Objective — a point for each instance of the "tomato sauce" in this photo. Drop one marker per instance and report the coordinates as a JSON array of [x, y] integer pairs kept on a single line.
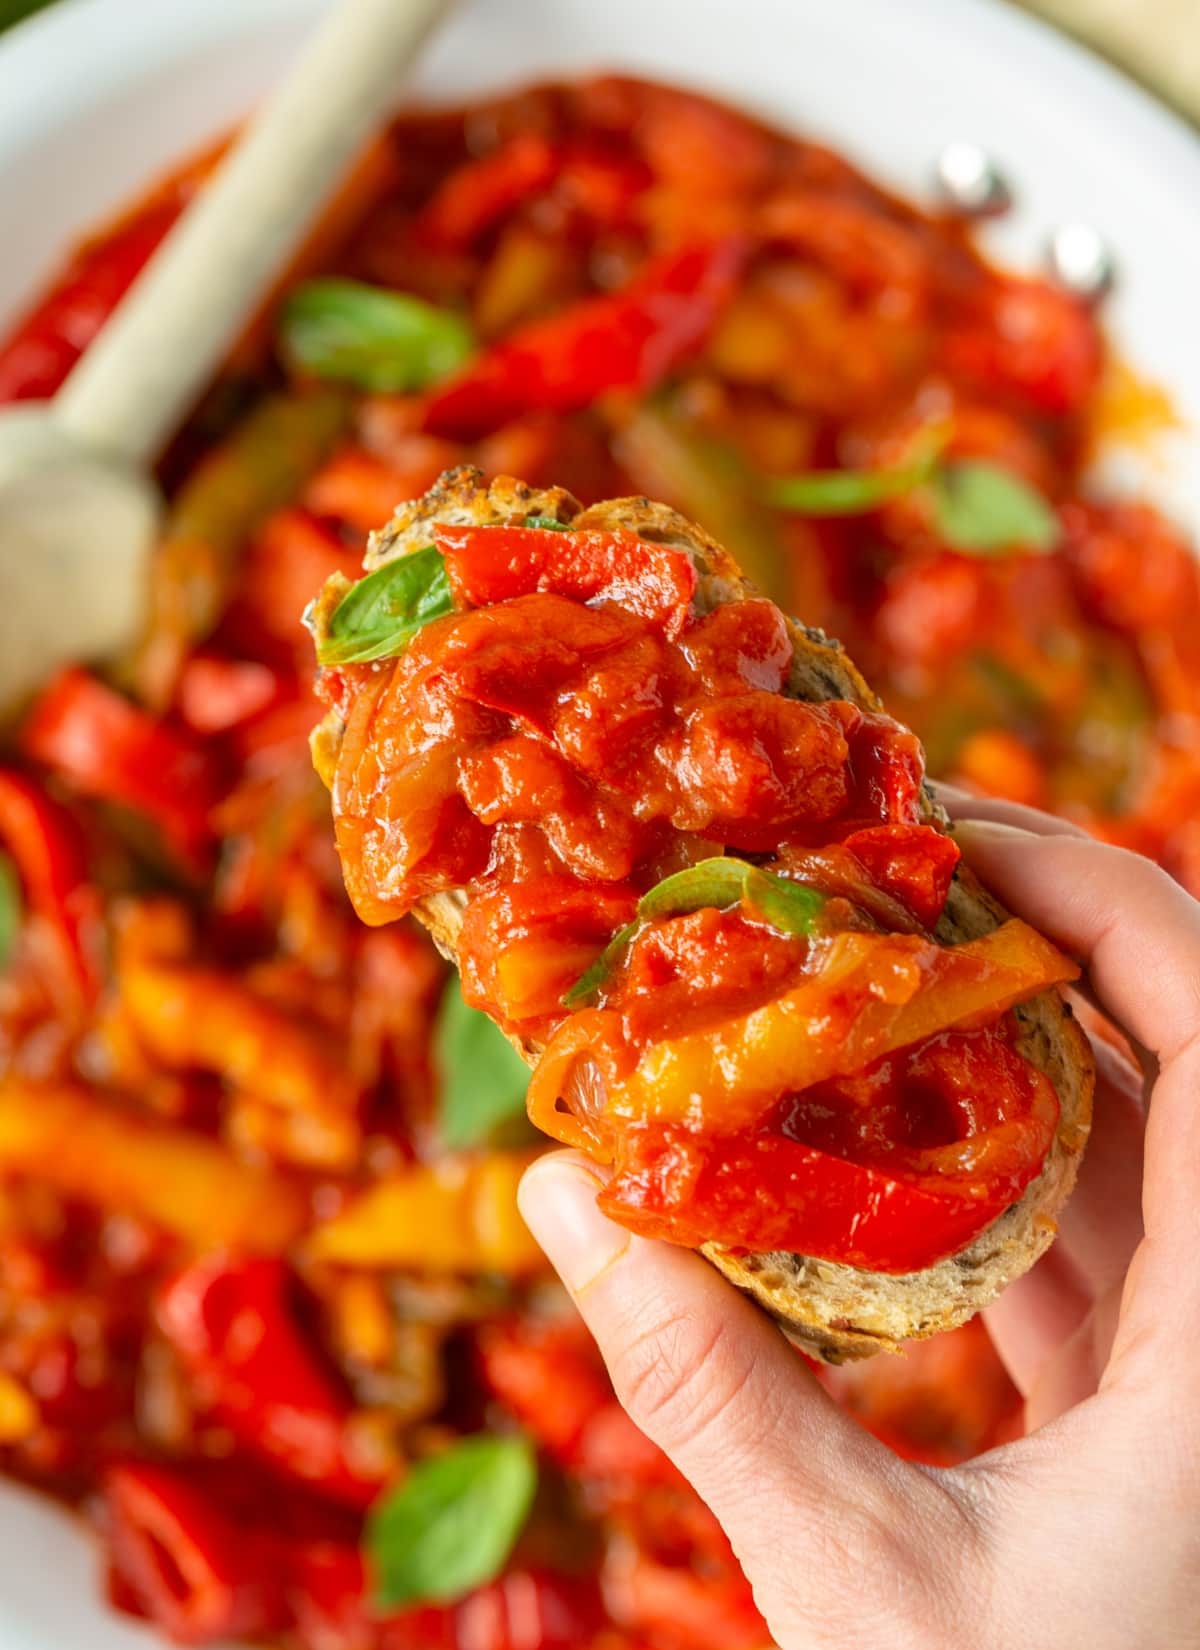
[[220, 1091]]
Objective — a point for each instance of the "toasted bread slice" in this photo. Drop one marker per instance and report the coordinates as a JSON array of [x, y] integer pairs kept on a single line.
[[834, 1311]]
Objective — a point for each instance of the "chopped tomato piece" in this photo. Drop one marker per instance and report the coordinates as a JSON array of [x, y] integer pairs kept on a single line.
[[1029, 340], [494, 564], [525, 945], [216, 694], [913, 862]]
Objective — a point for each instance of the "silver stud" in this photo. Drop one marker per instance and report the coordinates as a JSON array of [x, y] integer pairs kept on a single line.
[[1079, 259], [970, 182]]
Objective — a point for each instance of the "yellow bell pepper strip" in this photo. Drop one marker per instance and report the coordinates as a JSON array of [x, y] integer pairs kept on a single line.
[[18, 1411], [872, 995], [459, 1215], [181, 1182], [196, 1017]]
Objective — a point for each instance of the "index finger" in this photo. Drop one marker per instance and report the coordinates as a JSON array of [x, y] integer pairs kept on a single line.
[[1136, 929], [1139, 933]]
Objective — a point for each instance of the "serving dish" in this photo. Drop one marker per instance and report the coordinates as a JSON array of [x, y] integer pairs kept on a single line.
[[97, 96]]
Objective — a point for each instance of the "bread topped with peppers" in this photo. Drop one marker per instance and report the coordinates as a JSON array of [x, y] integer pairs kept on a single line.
[[690, 867]]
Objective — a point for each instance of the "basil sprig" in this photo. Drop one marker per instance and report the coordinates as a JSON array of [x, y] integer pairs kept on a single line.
[[451, 1524], [547, 522], [483, 1078], [378, 616], [350, 333], [977, 507], [10, 908], [791, 907]]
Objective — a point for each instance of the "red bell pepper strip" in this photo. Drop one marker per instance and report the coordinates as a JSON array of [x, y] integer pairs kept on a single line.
[[329, 1592], [529, 1610], [230, 1322], [104, 746], [483, 191], [49, 339], [767, 1191], [493, 564], [216, 694], [628, 340], [47, 848], [545, 1378], [186, 1566]]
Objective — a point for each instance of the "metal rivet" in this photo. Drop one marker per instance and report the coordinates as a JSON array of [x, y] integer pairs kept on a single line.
[[1079, 259], [971, 182]]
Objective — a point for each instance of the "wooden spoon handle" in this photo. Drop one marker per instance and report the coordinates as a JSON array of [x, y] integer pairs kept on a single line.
[[170, 332]]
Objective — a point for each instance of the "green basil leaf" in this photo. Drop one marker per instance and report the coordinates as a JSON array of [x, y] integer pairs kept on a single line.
[[716, 882], [984, 508], [352, 333], [549, 523], [450, 1526], [378, 616], [10, 908], [855, 492], [791, 907], [483, 1078]]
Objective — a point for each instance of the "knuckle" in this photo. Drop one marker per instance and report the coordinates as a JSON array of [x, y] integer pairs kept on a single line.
[[679, 1378]]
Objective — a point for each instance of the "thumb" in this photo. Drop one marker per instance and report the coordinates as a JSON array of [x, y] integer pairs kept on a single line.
[[706, 1376]]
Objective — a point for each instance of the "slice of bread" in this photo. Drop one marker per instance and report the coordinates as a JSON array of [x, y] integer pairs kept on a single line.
[[832, 1311]]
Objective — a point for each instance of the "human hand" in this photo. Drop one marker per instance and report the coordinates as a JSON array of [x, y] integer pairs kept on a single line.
[[1085, 1533]]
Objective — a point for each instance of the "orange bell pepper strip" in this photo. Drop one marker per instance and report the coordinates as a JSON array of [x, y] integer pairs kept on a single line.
[[184, 1183], [202, 1018]]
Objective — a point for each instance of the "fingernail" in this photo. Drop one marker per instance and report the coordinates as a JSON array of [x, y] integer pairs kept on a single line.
[[558, 1202]]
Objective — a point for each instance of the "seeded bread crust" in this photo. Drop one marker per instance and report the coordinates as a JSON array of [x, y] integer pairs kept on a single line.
[[832, 1311]]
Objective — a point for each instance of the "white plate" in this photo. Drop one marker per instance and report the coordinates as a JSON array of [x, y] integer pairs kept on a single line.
[[98, 95]]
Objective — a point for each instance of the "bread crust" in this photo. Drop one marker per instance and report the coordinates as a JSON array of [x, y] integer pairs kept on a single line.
[[833, 1311]]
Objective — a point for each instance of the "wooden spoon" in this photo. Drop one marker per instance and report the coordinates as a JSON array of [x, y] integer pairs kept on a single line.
[[79, 509]]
